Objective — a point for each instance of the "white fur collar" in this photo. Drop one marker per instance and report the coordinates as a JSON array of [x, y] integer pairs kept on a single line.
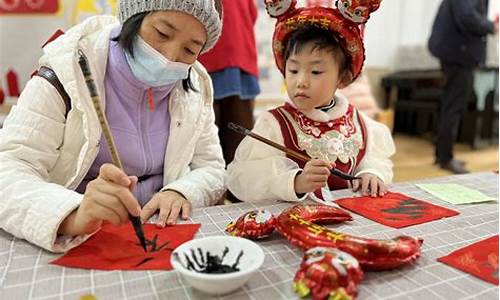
[[337, 111]]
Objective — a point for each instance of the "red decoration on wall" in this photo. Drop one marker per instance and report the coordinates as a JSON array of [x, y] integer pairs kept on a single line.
[[2, 95], [29, 6], [12, 83], [479, 259]]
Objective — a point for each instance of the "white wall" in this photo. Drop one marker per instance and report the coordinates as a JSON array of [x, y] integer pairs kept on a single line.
[[21, 38], [396, 34], [397, 23]]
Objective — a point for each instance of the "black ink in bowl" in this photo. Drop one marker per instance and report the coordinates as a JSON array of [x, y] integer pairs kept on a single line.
[[217, 265], [207, 263]]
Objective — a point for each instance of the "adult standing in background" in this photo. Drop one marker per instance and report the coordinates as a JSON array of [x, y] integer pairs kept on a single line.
[[232, 65], [458, 40]]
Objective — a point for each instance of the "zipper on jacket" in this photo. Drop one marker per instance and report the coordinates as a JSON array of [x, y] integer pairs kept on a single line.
[[144, 132], [151, 100]]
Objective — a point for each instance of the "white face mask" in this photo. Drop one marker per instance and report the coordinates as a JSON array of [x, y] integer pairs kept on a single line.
[[152, 68]]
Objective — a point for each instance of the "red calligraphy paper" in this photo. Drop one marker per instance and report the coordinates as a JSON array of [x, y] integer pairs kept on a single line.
[[29, 6], [117, 248], [479, 259], [396, 210]]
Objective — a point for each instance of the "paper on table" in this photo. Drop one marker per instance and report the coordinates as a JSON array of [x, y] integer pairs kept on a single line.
[[117, 248], [396, 210], [455, 193], [479, 259]]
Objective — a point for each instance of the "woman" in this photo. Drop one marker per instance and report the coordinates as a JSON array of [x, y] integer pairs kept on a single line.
[[57, 185]]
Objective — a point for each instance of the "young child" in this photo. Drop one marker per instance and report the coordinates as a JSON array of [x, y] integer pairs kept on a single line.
[[318, 50]]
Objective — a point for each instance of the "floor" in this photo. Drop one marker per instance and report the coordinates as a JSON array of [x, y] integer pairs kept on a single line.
[[414, 158]]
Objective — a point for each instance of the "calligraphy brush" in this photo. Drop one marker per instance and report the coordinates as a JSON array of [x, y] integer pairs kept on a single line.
[[84, 66], [293, 153]]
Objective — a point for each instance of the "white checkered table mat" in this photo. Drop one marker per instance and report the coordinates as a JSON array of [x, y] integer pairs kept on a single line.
[[25, 272]]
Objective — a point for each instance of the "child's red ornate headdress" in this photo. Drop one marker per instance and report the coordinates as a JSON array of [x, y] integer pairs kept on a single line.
[[342, 21]]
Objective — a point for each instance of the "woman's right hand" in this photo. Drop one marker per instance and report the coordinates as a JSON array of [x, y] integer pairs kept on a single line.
[[107, 198]]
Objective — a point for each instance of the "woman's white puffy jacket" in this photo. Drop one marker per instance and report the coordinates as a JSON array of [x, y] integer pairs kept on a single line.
[[44, 156]]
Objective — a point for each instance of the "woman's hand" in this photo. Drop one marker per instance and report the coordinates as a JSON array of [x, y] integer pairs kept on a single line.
[[107, 198], [171, 204], [369, 185], [314, 176]]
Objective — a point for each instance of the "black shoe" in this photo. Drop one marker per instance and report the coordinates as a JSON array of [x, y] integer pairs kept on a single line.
[[455, 167], [436, 161]]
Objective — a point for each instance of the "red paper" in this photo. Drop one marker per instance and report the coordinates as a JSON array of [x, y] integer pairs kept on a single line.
[[28, 6], [479, 259], [396, 210], [117, 248]]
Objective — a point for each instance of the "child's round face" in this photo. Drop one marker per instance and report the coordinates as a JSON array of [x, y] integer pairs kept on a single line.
[[312, 77]]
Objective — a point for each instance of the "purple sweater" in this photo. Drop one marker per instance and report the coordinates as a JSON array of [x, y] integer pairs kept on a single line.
[[141, 135]]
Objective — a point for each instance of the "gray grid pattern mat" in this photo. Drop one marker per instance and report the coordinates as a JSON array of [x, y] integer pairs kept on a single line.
[[25, 272]]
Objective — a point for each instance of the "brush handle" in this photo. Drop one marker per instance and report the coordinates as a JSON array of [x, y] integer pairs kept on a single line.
[[242, 130], [84, 66], [82, 61]]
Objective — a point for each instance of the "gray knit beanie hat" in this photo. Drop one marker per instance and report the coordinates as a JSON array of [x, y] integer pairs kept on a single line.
[[204, 11]]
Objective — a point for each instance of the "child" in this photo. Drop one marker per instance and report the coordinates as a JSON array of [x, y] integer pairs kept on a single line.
[[318, 50], [57, 185]]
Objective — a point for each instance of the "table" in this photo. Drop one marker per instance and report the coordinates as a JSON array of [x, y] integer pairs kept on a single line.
[[26, 274]]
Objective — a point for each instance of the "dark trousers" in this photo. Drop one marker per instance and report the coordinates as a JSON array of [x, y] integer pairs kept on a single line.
[[232, 109], [457, 93]]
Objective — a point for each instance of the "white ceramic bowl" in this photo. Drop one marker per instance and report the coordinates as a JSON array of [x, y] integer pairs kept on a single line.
[[218, 284]]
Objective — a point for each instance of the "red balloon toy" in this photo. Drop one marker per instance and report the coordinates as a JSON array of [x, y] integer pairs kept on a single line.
[[331, 264], [328, 273], [300, 225], [296, 224], [253, 225]]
